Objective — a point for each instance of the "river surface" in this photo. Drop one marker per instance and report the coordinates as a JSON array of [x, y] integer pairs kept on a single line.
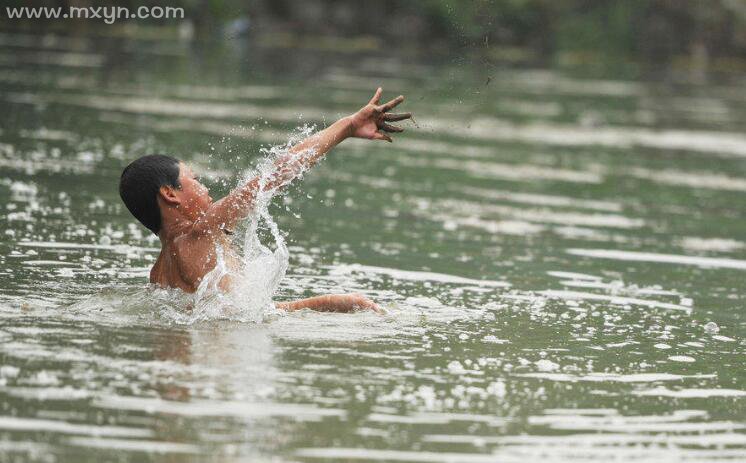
[[562, 259]]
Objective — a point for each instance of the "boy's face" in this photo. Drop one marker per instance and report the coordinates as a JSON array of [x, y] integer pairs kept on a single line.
[[195, 198]]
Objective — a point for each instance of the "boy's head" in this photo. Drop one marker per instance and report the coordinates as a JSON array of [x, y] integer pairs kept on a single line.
[[154, 182]]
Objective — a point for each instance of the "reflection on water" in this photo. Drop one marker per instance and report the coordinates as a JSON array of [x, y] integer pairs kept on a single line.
[[561, 261]]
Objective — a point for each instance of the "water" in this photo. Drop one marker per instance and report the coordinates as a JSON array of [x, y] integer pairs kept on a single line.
[[562, 261]]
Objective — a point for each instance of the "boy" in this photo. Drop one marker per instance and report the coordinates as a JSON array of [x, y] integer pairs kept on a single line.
[[166, 197]]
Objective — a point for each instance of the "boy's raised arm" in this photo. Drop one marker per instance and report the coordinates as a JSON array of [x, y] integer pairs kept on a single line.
[[370, 122]]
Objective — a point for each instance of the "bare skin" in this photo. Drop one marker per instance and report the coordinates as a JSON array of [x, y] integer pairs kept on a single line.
[[192, 225]]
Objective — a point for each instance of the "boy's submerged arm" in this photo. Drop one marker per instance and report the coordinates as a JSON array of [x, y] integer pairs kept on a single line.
[[332, 303], [369, 122]]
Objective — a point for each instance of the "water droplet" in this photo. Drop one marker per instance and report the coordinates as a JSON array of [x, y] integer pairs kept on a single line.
[[711, 328], [455, 367], [546, 365]]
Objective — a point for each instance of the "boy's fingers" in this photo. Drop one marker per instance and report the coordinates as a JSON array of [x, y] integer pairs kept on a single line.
[[390, 128], [376, 97], [382, 136], [377, 309], [391, 104], [396, 116]]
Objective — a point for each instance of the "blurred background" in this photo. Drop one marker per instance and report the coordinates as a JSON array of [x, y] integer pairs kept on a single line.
[[662, 39]]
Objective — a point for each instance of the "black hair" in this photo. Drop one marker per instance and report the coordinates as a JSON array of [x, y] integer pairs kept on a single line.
[[140, 183]]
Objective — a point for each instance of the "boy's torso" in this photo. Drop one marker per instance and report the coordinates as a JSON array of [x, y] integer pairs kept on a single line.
[[185, 260]]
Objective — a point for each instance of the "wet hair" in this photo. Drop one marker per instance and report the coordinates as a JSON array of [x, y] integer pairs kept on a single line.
[[140, 183]]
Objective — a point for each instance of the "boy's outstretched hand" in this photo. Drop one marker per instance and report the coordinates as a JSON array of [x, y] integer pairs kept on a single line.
[[372, 121]]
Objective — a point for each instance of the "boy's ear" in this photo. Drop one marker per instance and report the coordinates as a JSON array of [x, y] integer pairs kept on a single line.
[[169, 195]]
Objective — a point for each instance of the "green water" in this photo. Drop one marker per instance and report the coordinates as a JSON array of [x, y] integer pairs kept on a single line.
[[562, 260]]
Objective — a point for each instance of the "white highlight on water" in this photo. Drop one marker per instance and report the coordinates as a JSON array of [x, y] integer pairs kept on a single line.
[[706, 262]]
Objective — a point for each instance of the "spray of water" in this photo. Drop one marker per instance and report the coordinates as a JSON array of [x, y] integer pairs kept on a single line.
[[261, 265]]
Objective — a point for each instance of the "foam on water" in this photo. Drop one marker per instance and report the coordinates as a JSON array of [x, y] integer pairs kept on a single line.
[[691, 393], [612, 299], [610, 377], [545, 216], [415, 275], [134, 445], [19, 424], [223, 408]]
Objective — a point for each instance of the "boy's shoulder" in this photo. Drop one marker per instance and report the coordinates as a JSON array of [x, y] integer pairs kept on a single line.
[[183, 261]]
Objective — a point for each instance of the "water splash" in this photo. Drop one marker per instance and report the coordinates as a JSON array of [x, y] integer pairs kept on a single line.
[[261, 266]]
